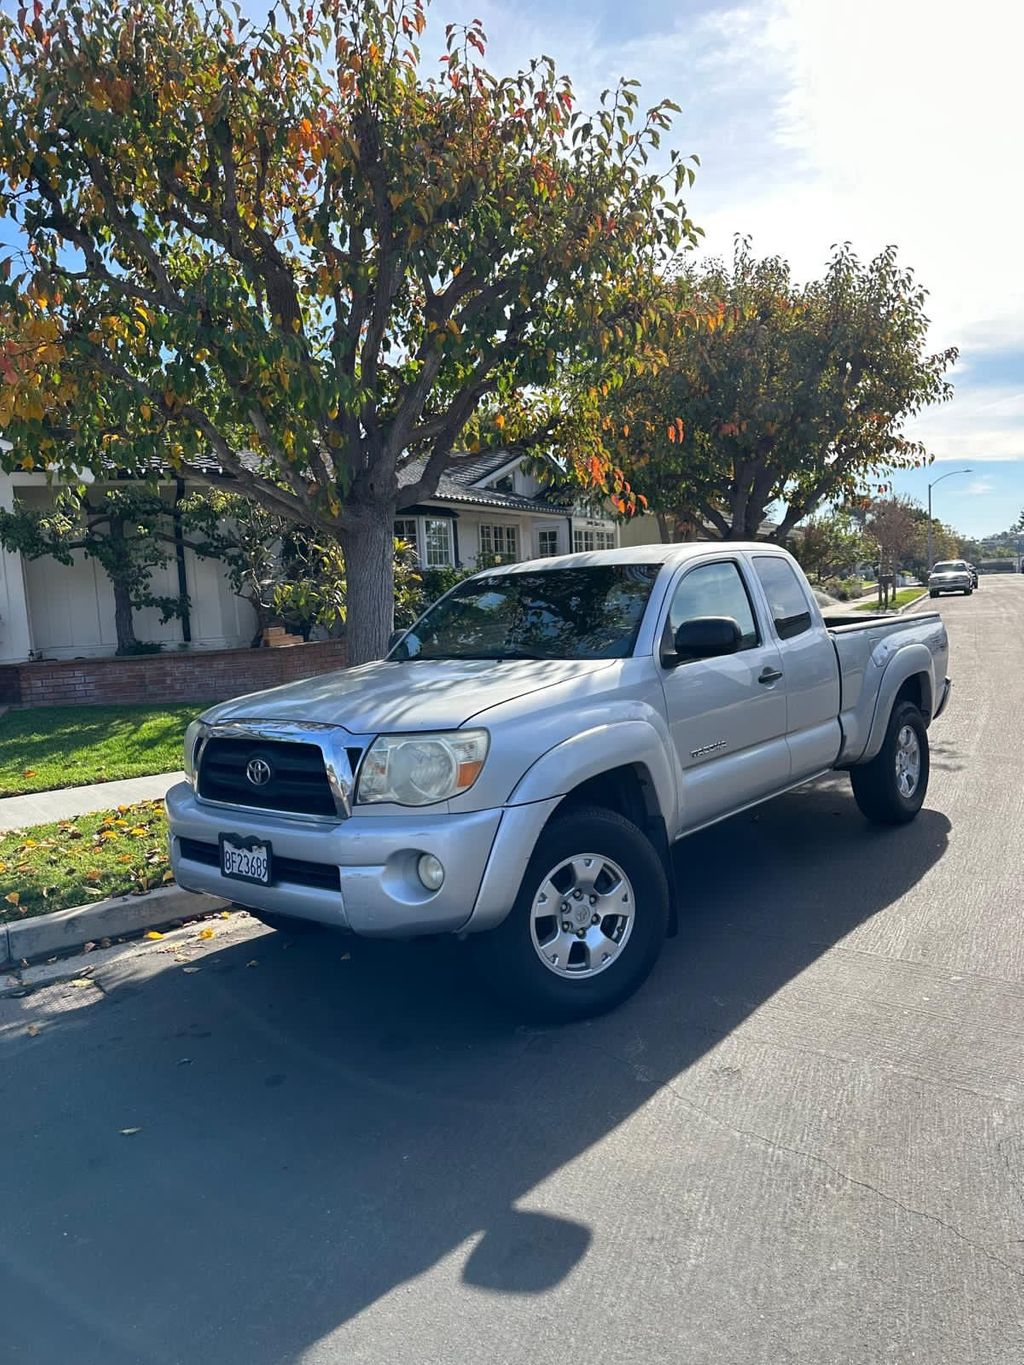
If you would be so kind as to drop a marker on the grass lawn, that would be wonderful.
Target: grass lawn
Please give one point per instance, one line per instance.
(72, 862)
(46, 747)
(901, 599)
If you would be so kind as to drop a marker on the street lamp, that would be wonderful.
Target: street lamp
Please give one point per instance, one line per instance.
(930, 487)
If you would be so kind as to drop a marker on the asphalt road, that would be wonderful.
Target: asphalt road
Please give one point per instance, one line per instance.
(803, 1142)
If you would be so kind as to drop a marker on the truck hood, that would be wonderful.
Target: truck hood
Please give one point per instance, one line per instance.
(427, 694)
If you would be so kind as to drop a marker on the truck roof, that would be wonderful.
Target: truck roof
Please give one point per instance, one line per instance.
(634, 554)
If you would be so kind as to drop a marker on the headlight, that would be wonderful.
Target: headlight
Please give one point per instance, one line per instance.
(417, 770)
(191, 738)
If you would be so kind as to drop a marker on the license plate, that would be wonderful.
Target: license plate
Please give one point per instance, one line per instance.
(245, 859)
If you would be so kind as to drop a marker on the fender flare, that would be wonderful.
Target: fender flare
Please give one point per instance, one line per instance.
(909, 661)
(539, 791)
(596, 750)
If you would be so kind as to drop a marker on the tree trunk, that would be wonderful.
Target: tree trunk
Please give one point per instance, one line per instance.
(124, 619)
(369, 550)
(663, 529)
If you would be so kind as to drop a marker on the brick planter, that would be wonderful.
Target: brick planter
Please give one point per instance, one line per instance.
(197, 675)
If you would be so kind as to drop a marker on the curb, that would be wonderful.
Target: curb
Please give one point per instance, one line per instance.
(899, 611)
(908, 606)
(119, 917)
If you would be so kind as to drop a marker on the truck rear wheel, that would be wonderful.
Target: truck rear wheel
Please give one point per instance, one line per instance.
(890, 790)
(588, 923)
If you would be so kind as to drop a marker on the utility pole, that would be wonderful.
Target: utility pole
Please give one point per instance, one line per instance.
(930, 487)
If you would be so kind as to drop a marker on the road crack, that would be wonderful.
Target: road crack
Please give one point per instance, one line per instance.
(801, 1152)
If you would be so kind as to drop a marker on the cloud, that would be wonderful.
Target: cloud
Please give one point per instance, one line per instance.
(977, 487)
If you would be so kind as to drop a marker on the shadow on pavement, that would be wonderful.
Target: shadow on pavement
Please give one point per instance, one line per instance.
(317, 1129)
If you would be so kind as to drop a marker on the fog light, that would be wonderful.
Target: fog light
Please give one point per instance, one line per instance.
(431, 871)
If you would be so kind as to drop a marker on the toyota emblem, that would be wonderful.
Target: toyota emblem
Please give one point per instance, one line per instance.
(258, 771)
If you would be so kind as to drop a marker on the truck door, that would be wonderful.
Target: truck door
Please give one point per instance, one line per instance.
(810, 666)
(727, 715)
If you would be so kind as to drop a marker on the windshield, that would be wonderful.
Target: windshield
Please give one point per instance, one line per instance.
(950, 566)
(591, 612)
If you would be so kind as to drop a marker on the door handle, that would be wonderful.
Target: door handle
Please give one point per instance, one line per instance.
(769, 675)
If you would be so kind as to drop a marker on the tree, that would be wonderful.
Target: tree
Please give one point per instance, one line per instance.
(830, 544)
(123, 528)
(282, 571)
(293, 259)
(945, 544)
(791, 393)
(890, 525)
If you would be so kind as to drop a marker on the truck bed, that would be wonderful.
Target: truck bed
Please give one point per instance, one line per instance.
(844, 620)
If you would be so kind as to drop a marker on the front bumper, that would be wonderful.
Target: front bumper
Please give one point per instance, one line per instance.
(484, 854)
(951, 585)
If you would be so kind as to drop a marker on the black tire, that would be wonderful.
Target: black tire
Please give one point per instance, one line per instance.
(933, 594)
(511, 962)
(968, 591)
(876, 788)
(287, 924)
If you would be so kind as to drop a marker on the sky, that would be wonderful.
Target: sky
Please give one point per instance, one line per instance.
(821, 121)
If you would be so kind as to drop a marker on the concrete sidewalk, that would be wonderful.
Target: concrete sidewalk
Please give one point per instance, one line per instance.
(40, 808)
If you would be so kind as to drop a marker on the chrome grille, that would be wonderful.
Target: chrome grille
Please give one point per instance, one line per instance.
(301, 770)
(297, 781)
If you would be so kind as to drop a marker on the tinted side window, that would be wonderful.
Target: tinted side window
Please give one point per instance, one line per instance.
(786, 600)
(714, 590)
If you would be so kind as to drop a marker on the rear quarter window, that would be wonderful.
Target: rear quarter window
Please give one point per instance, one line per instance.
(787, 601)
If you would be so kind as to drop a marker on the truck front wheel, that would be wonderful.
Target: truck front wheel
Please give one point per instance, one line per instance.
(891, 788)
(588, 923)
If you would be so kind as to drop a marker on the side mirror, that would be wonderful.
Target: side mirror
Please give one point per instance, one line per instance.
(705, 637)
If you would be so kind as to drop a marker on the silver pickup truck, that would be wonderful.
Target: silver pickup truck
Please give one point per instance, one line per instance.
(519, 766)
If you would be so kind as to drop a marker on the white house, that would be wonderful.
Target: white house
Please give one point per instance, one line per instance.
(489, 506)
(493, 508)
(58, 611)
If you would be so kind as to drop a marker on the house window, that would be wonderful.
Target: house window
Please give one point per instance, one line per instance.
(506, 484)
(593, 540)
(437, 537)
(405, 529)
(547, 543)
(499, 544)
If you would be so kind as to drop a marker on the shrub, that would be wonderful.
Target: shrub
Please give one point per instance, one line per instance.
(845, 589)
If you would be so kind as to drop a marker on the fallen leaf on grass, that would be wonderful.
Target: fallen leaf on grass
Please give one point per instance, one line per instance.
(153, 933)
(28, 772)
(129, 1132)
(13, 897)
